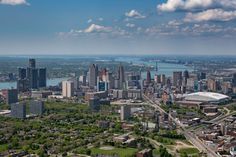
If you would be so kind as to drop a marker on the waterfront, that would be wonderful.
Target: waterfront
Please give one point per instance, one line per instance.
(50, 82)
(163, 68)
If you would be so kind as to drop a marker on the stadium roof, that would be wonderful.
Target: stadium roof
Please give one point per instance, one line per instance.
(206, 96)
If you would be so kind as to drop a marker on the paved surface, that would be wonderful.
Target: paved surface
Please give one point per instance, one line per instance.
(191, 137)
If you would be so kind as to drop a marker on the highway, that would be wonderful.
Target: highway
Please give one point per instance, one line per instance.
(187, 133)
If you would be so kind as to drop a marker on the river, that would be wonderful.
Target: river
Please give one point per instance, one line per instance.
(50, 82)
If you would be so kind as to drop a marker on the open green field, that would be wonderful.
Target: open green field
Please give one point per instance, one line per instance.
(121, 152)
(189, 151)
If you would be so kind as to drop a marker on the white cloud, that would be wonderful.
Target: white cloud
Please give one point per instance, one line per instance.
(188, 5)
(14, 2)
(131, 25)
(96, 31)
(100, 19)
(175, 23)
(97, 28)
(89, 21)
(134, 14)
(211, 15)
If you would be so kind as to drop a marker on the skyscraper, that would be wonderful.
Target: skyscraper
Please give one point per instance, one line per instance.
(121, 76)
(32, 63)
(177, 78)
(67, 89)
(93, 74)
(148, 79)
(23, 85)
(185, 77)
(22, 73)
(31, 78)
(34, 78)
(163, 79)
(234, 80)
(42, 80)
(11, 96)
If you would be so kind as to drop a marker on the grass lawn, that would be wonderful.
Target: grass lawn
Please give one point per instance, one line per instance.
(189, 151)
(3, 147)
(156, 152)
(121, 152)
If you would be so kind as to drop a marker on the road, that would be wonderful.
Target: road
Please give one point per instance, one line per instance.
(189, 136)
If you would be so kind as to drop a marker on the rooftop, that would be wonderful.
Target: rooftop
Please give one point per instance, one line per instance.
(205, 96)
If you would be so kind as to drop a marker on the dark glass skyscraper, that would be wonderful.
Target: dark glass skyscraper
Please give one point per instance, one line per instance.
(177, 78)
(34, 78)
(11, 96)
(121, 76)
(32, 63)
(93, 74)
(22, 73)
(42, 80)
(234, 80)
(148, 79)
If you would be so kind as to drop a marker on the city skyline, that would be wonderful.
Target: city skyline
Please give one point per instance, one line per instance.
(193, 27)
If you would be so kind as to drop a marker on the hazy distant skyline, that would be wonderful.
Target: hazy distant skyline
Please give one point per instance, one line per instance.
(125, 27)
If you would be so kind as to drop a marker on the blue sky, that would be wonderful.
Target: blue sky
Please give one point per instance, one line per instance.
(130, 27)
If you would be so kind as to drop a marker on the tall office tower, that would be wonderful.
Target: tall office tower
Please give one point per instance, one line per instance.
(34, 82)
(177, 78)
(111, 80)
(23, 85)
(75, 81)
(32, 63)
(186, 74)
(36, 107)
(234, 80)
(12, 96)
(212, 85)
(125, 112)
(157, 78)
(18, 110)
(22, 73)
(82, 79)
(93, 74)
(22, 82)
(121, 76)
(67, 89)
(42, 78)
(202, 76)
(104, 75)
(168, 82)
(148, 79)
(163, 79)
(102, 86)
(185, 77)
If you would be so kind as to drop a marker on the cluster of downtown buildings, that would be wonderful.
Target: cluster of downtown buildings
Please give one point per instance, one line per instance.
(29, 79)
(101, 86)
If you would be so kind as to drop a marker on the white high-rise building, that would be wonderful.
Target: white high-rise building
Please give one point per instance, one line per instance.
(67, 89)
